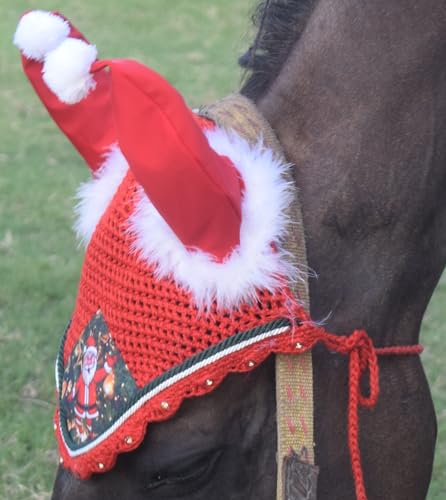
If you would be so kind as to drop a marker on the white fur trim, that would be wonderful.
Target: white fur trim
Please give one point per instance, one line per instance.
(66, 70)
(254, 264)
(39, 32)
(95, 195)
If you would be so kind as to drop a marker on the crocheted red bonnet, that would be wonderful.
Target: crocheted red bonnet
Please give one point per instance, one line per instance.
(184, 278)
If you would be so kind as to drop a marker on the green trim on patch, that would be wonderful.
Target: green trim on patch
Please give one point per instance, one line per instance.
(201, 357)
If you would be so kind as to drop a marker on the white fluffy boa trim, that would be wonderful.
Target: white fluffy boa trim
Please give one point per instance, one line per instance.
(258, 262)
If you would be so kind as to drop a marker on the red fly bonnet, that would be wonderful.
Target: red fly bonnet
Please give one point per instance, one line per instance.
(185, 276)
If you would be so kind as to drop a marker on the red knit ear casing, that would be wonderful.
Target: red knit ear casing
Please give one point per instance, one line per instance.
(156, 328)
(154, 323)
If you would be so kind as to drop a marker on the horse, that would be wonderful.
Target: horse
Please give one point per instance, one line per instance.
(356, 93)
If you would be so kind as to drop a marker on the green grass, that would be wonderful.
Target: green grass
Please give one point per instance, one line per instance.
(194, 43)
(433, 336)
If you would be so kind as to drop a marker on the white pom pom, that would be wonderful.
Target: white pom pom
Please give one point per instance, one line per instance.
(66, 70)
(38, 32)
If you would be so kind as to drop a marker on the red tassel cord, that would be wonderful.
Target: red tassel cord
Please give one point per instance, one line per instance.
(363, 359)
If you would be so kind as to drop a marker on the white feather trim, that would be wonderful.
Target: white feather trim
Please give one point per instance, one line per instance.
(39, 32)
(95, 195)
(66, 70)
(255, 263)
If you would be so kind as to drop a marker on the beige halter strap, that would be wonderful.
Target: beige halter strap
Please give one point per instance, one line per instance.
(296, 474)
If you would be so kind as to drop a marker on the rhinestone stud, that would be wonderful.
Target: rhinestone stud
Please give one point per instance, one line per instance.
(55, 427)
(165, 405)
(101, 465)
(209, 382)
(128, 440)
(60, 460)
(299, 345)
(251, 364)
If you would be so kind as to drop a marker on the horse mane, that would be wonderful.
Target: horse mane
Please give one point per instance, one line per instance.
(279, 24)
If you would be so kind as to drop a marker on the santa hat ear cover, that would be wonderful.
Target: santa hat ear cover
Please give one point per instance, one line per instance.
(184, 277)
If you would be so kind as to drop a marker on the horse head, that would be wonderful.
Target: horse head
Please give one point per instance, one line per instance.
(356, 96)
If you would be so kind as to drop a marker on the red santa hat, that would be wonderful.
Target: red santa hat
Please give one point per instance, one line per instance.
(90, 342)
(184, 278)
(90, 345)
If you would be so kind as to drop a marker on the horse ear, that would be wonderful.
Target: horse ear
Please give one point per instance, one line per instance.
(56, 55)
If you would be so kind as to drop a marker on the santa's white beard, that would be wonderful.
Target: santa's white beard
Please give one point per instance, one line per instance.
(88, 372)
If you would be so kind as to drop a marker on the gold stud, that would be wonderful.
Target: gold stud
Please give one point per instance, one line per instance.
(251, 364)
(209, 382)
(299, 345)
(128, 440)
(60, 460)
(101, 465)
(164, 405)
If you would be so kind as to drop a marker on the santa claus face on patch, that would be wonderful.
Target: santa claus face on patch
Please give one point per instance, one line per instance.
(89, 363)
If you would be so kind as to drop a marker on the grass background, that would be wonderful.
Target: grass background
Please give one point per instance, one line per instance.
(195, 44)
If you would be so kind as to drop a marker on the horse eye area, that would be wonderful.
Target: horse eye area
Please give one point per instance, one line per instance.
(191, 474)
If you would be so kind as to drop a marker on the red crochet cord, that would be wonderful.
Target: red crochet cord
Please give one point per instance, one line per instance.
(363, 357)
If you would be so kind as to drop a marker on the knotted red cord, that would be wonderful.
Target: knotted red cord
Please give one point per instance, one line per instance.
(363, 358)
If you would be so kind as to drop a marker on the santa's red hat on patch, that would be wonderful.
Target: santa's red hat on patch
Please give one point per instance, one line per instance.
(90, 345)
(184, 278)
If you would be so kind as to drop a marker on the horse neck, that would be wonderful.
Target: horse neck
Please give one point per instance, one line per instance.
(360, 109)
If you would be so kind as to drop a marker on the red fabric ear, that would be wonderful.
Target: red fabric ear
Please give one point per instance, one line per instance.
(87, 124)
(196, 191)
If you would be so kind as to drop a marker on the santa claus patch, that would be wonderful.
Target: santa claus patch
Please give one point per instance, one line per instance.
(96, 384)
